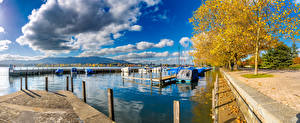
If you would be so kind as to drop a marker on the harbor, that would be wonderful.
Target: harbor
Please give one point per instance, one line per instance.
(132, 97)
(149, 61)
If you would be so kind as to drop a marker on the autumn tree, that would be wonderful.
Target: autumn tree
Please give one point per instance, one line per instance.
(272, 19)
(237, 28)
(221, 32)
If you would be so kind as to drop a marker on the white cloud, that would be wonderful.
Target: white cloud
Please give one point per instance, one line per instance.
(2, 30)
(93, 23)
(1, 1)
(19, 57)
(164, 42)
(4, 44)
(175, 54)
(185, 41)
(136, 28)
(142, 55)
(160, 16)
(159, 58)
(143, 45)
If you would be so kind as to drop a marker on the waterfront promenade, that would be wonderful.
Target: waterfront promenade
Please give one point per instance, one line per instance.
(273, 99)
(28, 106)
(283, 87)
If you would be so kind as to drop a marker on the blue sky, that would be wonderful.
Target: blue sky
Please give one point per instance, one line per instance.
(111, 28)
(152, 30)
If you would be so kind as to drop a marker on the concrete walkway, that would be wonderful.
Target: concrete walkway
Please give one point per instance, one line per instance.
(259, 107)
(29, 106)
(284, 87)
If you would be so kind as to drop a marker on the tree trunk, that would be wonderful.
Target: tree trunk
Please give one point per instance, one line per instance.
(230, 65)
(235, 65)
(256, 52)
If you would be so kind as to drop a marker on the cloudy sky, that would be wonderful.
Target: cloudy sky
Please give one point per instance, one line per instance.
(119, 29)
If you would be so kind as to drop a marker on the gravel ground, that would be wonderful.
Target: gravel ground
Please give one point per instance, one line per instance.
(284, 87)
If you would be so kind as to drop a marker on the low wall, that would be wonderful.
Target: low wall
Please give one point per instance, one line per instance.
(257, 107)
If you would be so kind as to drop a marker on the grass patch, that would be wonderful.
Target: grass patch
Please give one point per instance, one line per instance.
(295, 66)
(257, 76)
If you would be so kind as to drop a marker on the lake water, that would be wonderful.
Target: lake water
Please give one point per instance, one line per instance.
(135, 102)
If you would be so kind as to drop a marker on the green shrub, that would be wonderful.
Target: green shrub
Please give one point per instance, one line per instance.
(277, 58)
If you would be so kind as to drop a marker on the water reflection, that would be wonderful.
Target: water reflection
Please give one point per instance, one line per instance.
(135, 101)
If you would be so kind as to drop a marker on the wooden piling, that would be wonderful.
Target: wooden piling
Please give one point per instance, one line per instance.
(151, 78)
(176, 110)
(46, 83)
(72, 86)
(21, 83)
(67, 83)
(160, 77)
(110, 104)
(26, 83)
(83, 91)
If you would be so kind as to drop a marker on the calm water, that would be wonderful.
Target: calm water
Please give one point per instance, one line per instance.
(135, 102)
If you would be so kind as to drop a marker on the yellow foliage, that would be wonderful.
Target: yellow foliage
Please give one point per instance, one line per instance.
(226, 31)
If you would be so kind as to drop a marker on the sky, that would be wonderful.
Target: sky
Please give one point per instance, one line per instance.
(133, 30)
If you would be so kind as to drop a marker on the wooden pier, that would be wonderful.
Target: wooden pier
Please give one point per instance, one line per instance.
(22, 71)
(163, 79)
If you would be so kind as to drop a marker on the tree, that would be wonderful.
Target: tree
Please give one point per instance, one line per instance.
(279, 57)
(220, 34)
(237, 28)
(276, 18)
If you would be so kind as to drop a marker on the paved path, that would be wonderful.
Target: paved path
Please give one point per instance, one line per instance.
(284, 87)
(52, 107)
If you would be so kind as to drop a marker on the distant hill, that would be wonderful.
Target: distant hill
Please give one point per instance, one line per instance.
(65, 60)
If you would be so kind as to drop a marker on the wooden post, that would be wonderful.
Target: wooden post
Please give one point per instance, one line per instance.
(46, 83)
(83, 91)
(151, 77)
(110, 104)
(160, 77)
(21, 83)
(176, 110)
(133, 73)
(72, 86)
(67, 83)
(26, 83)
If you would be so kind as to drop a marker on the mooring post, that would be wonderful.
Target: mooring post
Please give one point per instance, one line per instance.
(26, 83)
(46, 83)
(72, 86)
(111, 104)
(21, 83)
(133, 73)
(83, 91)
(176, 110)
(67, 83)
(160, 76)
(151, 77)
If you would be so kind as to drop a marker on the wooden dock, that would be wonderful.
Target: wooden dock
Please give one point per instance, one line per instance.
(163, 79)
(20, 71)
